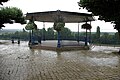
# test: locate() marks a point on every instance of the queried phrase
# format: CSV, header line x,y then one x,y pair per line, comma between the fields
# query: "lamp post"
x,y
87,27
31,26
58,26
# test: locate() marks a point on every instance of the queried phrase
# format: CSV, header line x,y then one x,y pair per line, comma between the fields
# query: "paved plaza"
x,y
19,62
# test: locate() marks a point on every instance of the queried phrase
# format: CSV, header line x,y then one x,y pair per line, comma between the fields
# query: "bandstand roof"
x,y
69,17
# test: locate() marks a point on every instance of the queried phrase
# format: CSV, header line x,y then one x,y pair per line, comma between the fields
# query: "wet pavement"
x,y
18,62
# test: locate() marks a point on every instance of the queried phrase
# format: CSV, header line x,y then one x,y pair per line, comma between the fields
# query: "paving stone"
x,y
18,62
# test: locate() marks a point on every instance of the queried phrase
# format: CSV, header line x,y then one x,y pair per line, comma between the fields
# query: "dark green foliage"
x,y
66,34
2,1
31,25
98,32
50,34
11,15
108,10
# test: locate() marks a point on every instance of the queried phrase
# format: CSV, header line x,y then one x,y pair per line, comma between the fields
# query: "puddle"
x,y
106,49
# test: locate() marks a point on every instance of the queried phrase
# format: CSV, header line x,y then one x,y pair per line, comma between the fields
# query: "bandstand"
x,y
68,17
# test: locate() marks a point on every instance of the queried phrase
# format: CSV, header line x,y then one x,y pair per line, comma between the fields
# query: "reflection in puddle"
x,y
44,53
92,59
106,49
112,61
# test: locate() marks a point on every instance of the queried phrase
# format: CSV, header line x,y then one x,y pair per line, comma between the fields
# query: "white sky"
x,y
52,5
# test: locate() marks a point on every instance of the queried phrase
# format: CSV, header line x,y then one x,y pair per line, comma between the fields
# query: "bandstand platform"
x,y
66,45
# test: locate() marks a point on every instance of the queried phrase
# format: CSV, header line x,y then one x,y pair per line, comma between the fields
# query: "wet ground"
x,y
18,62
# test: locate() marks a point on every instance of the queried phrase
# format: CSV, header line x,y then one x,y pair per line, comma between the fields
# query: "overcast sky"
x,y
52,5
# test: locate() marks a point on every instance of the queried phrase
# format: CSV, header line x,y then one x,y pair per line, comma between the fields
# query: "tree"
x,y
11,15
116,38
66,33
2,1
98,33
50,33
107,10
96,36
105,38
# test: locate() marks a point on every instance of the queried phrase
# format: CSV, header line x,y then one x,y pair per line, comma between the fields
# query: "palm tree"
x,y
87,27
